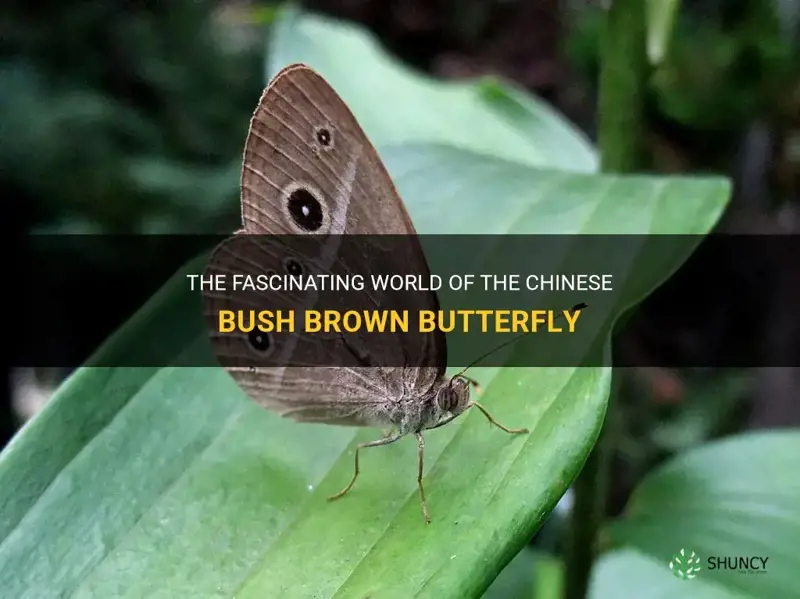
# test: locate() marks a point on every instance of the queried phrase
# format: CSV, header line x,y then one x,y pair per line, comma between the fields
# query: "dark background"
x,y
130,117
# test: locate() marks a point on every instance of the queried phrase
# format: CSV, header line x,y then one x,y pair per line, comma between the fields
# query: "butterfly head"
x,y
453,397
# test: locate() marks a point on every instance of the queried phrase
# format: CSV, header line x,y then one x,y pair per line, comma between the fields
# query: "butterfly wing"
x,y
303,136
309,170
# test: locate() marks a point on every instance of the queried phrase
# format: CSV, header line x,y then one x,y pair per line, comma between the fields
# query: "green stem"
x,y
623,75
588,511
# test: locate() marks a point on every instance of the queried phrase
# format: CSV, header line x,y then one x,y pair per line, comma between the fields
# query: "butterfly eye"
x,y
447,398
293,267
324,137
259,341
305,209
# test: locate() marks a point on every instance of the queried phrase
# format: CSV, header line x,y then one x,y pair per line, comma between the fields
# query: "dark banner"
x,y
351,301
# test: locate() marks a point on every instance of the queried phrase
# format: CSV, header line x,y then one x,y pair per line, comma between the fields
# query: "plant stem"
x,y
623,75
588,511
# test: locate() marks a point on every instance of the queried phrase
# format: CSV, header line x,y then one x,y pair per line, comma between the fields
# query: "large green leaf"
x,y
739,497
168,482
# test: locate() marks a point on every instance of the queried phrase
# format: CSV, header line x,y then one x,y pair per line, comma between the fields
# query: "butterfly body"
x,y
397,403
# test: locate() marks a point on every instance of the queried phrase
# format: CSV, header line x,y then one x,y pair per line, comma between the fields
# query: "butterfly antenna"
x,y
574,308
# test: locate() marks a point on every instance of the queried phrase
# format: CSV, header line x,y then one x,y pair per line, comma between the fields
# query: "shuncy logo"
x,y
685,564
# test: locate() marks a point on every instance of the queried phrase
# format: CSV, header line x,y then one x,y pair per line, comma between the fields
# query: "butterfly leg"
x,y
420,468
513,431
360,446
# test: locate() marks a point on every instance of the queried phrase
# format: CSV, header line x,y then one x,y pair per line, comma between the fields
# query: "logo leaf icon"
x,y
687,571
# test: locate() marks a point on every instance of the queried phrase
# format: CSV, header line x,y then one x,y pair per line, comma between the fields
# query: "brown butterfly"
x,y
310,170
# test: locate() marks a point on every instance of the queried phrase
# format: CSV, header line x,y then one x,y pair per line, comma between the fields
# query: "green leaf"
x,y
397,105
629,574
455,191
735,497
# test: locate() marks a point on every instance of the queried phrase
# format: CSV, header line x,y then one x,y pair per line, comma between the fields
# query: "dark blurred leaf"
x,y
709,402
530,575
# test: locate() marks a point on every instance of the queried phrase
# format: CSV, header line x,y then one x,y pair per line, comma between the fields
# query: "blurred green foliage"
x,y
722,75
123,116
722,68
